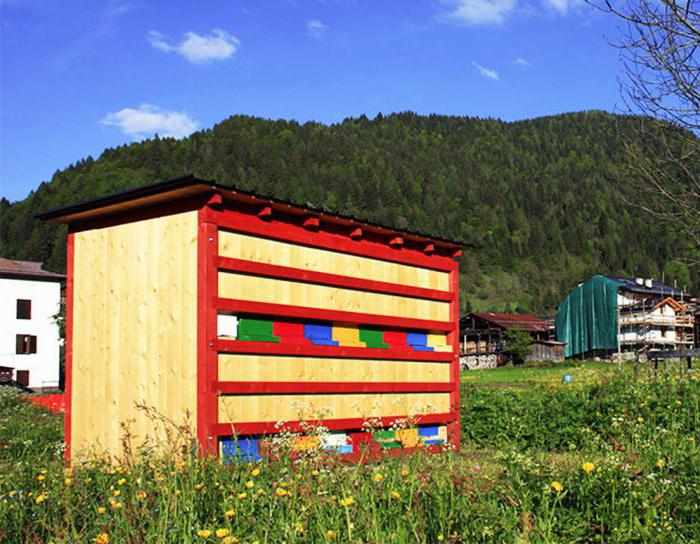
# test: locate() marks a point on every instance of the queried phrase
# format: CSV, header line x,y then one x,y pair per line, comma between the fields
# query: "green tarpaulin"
x,y
587,319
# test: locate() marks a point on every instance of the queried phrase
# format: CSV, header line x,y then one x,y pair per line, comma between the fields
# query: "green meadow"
x,y
610,457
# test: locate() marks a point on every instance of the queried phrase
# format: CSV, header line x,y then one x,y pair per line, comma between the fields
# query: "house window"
x,y
24,309
26,343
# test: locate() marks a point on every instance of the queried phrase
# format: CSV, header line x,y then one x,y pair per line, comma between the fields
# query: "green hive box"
x,y
373,338
256,330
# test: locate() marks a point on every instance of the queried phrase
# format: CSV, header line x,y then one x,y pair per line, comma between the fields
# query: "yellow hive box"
x,y
305,443
438,342
409,437
347,335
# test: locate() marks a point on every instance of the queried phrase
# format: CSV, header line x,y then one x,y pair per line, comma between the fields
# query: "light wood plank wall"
x,y
254,248
277,291
239,367
255,408
274,368
134,329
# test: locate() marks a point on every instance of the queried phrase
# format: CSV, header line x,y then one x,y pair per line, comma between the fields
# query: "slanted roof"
x,y
657,287
191,186
27,270
672,302
523,322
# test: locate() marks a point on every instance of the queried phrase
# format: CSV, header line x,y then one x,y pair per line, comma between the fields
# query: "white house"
x,y
29,336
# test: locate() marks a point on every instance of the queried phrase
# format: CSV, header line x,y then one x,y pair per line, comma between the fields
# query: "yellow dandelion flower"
x,y
221,533
557,486
67,482
249,484
102,538
347,501
260,492
281,491
198,486
298,527
640,420
256,472
330,535
314,472
178,492
588,467
242,495
395,495
229,513
377,477
40,498
101,509
41,477
660,463
141,495
230,540
116,493
44,471
440,538
121,481
204,533
405,472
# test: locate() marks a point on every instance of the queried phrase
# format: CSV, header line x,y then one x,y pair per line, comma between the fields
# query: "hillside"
x,y
541,199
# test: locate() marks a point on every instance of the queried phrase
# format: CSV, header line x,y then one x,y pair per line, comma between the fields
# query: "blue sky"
x,y
79,76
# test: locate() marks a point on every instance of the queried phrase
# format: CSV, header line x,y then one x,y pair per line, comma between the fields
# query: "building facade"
x,y
606,314
29,336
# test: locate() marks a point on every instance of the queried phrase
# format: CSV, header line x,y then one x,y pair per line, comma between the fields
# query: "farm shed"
x,y
251,316
482,338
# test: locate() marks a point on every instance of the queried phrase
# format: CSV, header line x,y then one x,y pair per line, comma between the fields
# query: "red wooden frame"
x,y
68,361
277,230
350,424
350,243
292,388
340,352
207,286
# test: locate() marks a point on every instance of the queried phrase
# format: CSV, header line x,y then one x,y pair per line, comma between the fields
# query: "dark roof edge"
x,y
116,198
190,179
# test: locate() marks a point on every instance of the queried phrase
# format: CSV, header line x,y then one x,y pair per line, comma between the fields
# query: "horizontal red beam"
x,y
273,427
304,312
285,232
323,278
313,350
289,388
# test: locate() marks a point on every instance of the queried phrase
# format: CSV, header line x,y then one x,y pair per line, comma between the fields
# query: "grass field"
x,y
607,458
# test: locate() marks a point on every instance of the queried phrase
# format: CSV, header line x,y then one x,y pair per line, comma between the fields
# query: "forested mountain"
x,y
543,200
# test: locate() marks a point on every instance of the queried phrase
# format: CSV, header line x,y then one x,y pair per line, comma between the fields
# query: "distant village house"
x,y
29,336
607,314
483,345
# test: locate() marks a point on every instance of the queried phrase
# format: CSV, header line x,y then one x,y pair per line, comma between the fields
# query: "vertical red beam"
x,y
207,291
68,354
453,340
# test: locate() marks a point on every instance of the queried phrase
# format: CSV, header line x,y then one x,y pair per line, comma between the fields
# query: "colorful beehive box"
x,y
320,334
347,335
157,275
438,342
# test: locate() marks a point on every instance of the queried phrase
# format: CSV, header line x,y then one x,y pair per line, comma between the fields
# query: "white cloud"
x,y
522,62
486,72
196,48
147,120
315,28
480,12
562,6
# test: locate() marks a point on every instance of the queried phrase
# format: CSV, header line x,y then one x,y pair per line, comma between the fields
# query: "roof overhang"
x,y
190,186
